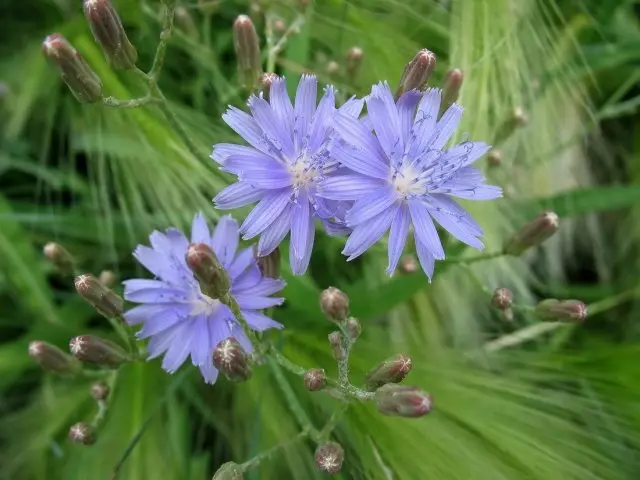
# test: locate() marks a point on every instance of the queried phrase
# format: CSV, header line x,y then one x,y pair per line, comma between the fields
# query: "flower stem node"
x,y
329,458
103,299
59,257
98,351
82,433
229,471
416,73
203,262
83,82
334,304
532,234
247,47
392,370
553,309
230,358
335,340
108,31
100,391
403,401
52,359
269,265
354,328
315,379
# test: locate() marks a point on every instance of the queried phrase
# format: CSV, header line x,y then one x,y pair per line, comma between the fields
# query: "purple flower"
x,y
290,152
177,317
402,176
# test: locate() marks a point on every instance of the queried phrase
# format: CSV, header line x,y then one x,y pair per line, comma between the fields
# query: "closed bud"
x,y
451,90
185,23
59,257
502,298
279,26
98,351
329,457
562,310
83,82
247,47
102,298
532,234
52,359
333,68
107,278
229,471
108,31
315,379
334,304
82,433
354,61
100,391
230,358
335,341
408,265
517,119
354,328
402,401
494,158
392,370
213,278
416,73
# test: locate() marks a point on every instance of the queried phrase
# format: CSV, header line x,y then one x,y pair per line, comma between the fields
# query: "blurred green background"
x,y
98,180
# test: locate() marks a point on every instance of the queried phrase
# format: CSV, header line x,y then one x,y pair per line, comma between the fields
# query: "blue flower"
x,y
177,317
402,175
290,152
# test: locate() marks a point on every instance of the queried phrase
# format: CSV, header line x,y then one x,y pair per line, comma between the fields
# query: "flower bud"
x,y
109,33
332,68
392,370
494,158
329,457
416,73
52,359
354,328
59,257
354,61
230,358
562,310
517,119
107,278
402,401
186,24
502,298
82,433
247,47
279,26
335,340
213,278
98,351
229,471
75,72
334,304
451,90
315,379
408,265
532,234
100,391
103,299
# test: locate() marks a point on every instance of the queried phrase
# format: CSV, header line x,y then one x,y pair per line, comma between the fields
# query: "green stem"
x,y
343,364
173,121
165,35
255,461
131,103
477,258
523,335
331,424
230,302
608,303
275,49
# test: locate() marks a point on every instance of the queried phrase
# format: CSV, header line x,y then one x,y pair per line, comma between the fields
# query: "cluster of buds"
x,y
230,358
203,262
532,234
502,299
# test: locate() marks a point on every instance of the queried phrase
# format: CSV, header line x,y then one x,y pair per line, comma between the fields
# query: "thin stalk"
x,y
255,461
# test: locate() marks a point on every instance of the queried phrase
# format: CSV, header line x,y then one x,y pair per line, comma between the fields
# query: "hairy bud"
x,y
494,158
229,471
83,82
230,358
247,47
103,299
329,457
52,359
98,351
353,62
392,370
354,328
552,309
59,257
100,391
213,278
315,379
334,304
82,433
532,234
108,31
402,401
416,73
335,341
502,298
451,90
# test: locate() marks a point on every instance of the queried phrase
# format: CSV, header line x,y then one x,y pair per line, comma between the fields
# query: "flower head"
x,y
402,175
290,153
178,318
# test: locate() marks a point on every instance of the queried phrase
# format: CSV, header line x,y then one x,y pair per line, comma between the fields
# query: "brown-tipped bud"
x,y
266,80
392,370
247,46
100,391
334,304
230,358
408,265
208,7
52,359
518,118
333,68
185,22
402,401
82,434
494,158
502,298
354,62
98,351
109,33
203,262
329,457
562,310
315,379
354,328
103,299
532,234
416,73
451,90
229,471
335,341
107,278
59,257
83,82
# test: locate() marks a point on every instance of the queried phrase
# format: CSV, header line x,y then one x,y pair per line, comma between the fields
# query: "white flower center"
x,y
202,304
407,182
302,173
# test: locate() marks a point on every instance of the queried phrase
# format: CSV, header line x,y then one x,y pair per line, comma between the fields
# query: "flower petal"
x,y
209,373
275,233
384,118
281,104
456,226
265,212
426,259
305,106
299,265
158,344
365,235
322,120
267,286
267,179
300,225
179,349
247,279
245,126
243,261
259,322
201,349
406,113
275,131
162,321
348,187
225,239
371,205
222,151
362,145
250,301
142,313
424,228
352,107
237,195
449,205
398,237
446,127
200,230
239,163
425,122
